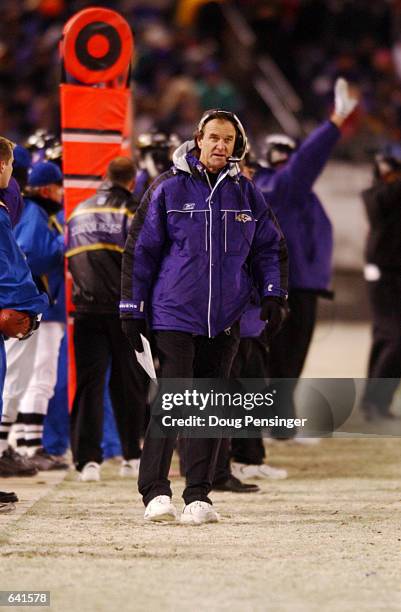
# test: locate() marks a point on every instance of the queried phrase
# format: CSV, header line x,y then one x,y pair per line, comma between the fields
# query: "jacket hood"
x,y
184,159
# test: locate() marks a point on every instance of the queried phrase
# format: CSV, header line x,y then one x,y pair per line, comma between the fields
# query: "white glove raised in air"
x,y
344,103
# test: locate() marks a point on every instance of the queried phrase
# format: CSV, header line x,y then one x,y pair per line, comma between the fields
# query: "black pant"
x,y
288,351
98,343
250,362
385,353
284,358
183,355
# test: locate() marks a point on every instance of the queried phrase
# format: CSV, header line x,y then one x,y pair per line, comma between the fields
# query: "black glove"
x,y
132,328
274,311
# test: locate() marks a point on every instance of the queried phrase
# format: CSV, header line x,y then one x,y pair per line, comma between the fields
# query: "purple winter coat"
x,y
194,252
301,216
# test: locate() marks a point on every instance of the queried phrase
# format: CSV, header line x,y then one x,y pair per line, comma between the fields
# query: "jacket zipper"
x,y
209,200
225,232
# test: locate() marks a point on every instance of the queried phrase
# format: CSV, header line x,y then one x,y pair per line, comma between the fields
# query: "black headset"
x,y
241,140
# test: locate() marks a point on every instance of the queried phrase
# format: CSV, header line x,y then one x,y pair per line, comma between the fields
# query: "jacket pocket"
x,y
188,230
239,229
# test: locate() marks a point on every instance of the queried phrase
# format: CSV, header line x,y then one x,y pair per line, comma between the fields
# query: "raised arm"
x,y
306,164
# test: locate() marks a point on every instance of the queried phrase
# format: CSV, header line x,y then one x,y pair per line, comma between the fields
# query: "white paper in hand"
x,y
145,358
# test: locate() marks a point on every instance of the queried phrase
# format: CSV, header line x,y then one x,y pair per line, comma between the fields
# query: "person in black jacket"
x,y
383,275
155,151
96,235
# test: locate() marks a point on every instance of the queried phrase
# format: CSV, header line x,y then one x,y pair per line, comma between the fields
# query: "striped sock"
x,y
33,431
17,437
5,428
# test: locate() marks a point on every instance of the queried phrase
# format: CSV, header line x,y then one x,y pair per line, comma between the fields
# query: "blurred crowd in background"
x,y
183,59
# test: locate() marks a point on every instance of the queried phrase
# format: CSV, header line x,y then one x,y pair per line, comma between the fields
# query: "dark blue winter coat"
x,y
12,198
56,278
301,216
43,245
194,251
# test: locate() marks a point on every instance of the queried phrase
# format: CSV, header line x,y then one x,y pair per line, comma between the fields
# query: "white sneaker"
x,y
244,471
198,512
130,469
90,472
160,509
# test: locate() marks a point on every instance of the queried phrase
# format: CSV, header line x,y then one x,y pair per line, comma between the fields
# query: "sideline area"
x,y
327,538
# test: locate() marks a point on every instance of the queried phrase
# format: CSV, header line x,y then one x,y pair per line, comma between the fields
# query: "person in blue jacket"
x,y
201,238
287,185
32,367
56,425
17,289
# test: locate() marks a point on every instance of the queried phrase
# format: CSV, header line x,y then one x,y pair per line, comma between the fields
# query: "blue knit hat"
x,y
22,157
44,173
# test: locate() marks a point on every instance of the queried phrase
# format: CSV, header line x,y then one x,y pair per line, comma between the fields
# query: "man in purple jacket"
x,y
287,185
201,238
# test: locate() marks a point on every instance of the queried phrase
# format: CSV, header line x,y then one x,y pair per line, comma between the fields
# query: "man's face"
x,y
216,144
6,169
279,157
53,192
